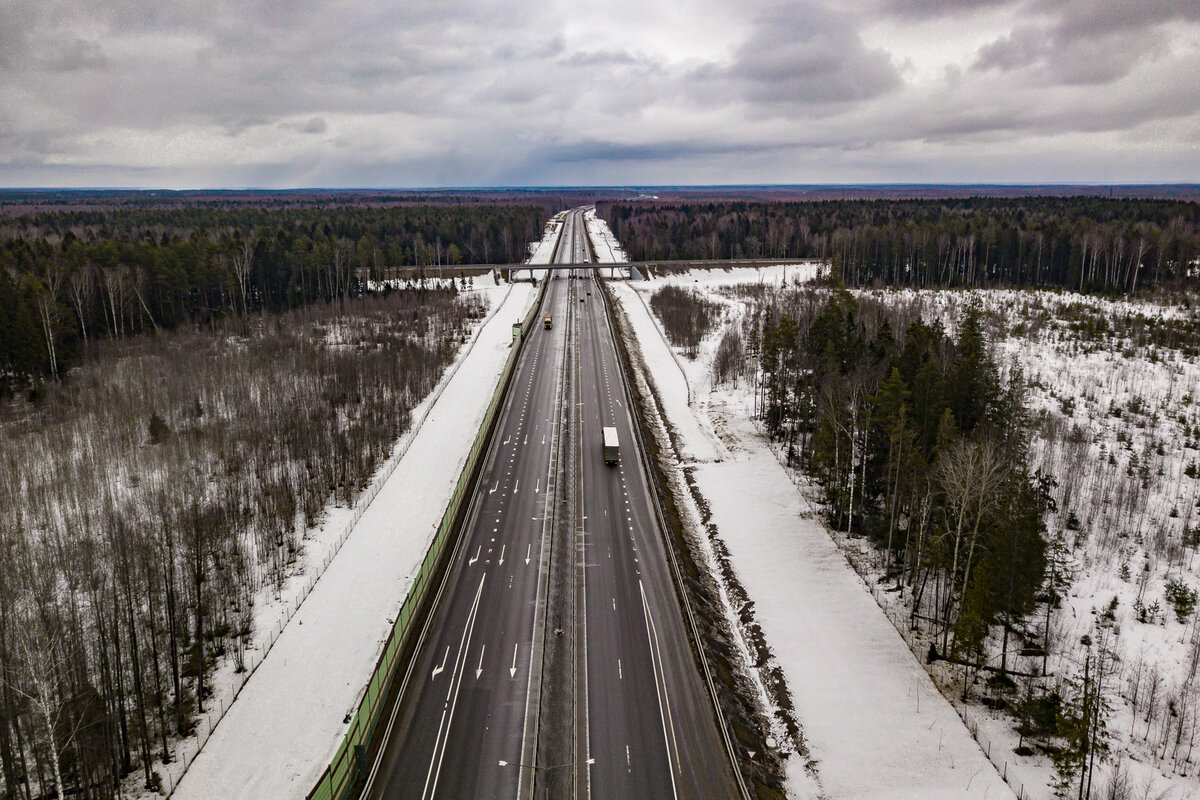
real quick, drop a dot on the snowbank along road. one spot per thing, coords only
(639, 722)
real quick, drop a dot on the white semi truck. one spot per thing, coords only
(612, 450)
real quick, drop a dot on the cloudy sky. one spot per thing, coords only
(403, 93)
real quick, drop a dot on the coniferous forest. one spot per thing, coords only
(1082, 243)
(71, 276)
(918, 443)
(985, 520)
(185, 390)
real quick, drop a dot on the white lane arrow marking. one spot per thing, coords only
(502, 549)
(494, 488)
(456, 679)
(528, 550)
(543, 438)
(517, 486)
(526, 439)
(476, 558)
(442, 667)
(512, 671)
(506, 441)
(479, 669)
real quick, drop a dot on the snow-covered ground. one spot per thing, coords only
(543, 251)
(325, 633)
(475, 283)
(1113, 391)
(874, 724)
(608, 249)
(1116, 422)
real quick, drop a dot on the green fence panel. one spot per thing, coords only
(389, 649)
(339, 756)
(324, 790)
(340, 770)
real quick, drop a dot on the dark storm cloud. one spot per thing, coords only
(659, 151)
(798, 57)
(938, 8)
(1081, 42)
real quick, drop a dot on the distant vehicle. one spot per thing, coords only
(581, 299)
(546, 322)
(612, 449)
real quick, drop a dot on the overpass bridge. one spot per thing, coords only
(634, 270)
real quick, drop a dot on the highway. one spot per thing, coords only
(651, 727)
(640, 719)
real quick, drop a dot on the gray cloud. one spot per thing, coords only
(1071, 59)
(675, 150)
(471, 92)
(927, 9)
(1080, 42)
(314, 125)
(800, 56)
(78, 55)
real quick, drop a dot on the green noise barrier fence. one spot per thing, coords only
(350, 759)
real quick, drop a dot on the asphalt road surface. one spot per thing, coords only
(647, 728)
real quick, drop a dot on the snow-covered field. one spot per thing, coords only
(1113, 389)
(325, 631)
(1116, 422)
(874, 724)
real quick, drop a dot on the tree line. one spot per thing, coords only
(71, 277)
(1083, 243)
(920, 445)
(145, 504)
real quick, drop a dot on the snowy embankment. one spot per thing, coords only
(543, 251)
(325, 635)
(608, 249)
(873, 723)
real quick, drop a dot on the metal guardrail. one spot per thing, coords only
(348, 764)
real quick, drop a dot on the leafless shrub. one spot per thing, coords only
(686, 316)
(160, 488)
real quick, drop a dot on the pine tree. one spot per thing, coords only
(973, 381)
(1082, 724)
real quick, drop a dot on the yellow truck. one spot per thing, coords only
(546, 322)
